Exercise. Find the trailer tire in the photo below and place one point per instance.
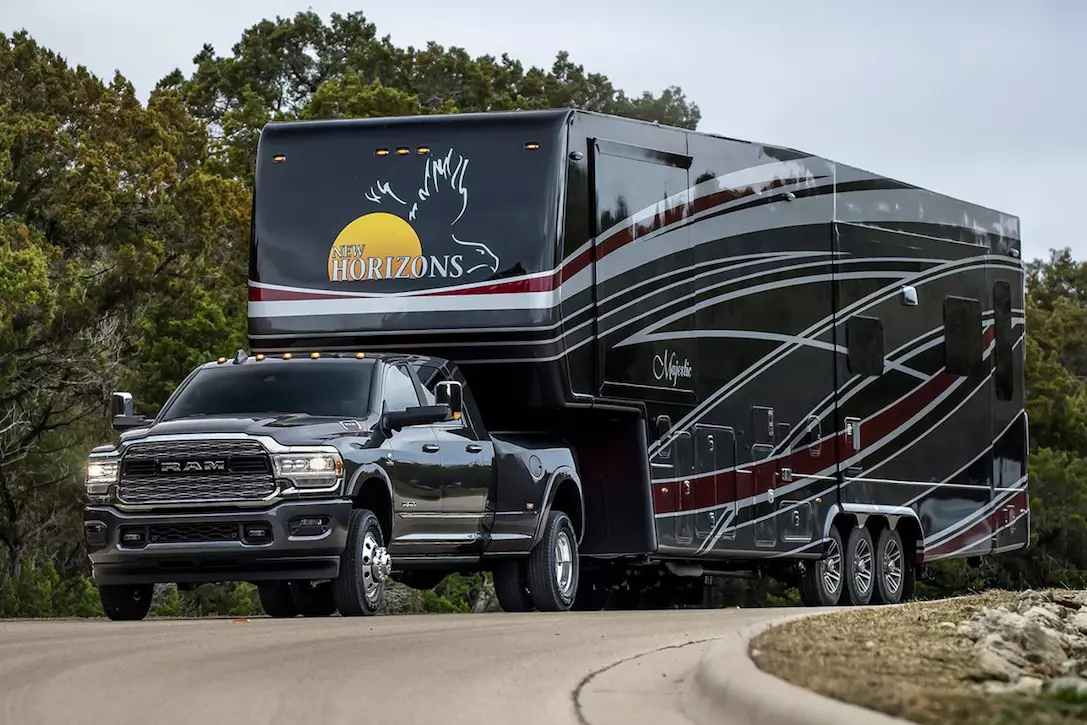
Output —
(276, 599)
(553, 566)
(313, 600)
(859, 568)
(511, 586)
(822, 582)
(126, 602)
(890, 568)
(364, 567)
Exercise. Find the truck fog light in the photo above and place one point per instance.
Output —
(257, 533)
(309, 526)
(133, 538)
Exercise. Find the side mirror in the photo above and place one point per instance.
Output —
(449, 393)
(420, 415)
(123, 417)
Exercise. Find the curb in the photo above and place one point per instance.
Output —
(728, 687)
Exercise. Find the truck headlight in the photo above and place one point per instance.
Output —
(101, 474)
(319, 469)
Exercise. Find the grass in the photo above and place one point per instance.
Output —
(904, 661)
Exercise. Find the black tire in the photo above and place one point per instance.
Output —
(552, 590)
(313, 600)
(364, 567)
(859, 569)
(276, 599)
(593, 595)
(126, 602)
(511, 586)
(890, 568)
(823, 580)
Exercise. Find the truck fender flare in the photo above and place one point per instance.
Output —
(559, 475)
(364, 472)
(893, 514)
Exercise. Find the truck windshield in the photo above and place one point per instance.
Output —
(324, 389)
(405, 206)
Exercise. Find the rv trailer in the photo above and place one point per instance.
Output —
(639, 357)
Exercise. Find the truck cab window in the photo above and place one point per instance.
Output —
(400, 392)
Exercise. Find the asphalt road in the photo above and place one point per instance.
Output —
(559, 669)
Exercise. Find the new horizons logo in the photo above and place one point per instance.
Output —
(385, 244)
(667, 367)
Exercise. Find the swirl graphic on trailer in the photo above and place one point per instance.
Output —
(385, 244)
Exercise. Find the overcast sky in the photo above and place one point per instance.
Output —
(980, 99)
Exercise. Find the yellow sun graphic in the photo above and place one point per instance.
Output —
(363, 248)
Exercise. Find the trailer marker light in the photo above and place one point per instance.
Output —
(278, 159)
(403, 151)
(260, 356)
(314, 355)
(532, 145)
(383, 152)
(286, 356)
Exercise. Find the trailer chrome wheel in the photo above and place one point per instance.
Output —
(365, 567)
(890, 568)
(553, 566)
(858, 566)
(822, 582)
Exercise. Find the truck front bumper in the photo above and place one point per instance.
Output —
(292, 540)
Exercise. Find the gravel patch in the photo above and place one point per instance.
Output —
(975, 660)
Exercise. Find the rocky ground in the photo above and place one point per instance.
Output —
(1035, 643)
(998, 658)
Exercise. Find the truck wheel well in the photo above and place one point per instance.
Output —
(373, 494)
(568, 500)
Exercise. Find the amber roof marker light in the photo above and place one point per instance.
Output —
(532, 145)
(403, 151)
(382, 152)
(279, 158)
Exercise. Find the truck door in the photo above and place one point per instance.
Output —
(415, 470)
(467, 456)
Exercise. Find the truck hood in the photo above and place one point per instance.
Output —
(285, 429)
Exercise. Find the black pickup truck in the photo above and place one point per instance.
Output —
(320, 477)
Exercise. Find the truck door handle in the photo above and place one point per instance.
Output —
(430, 448)
(473, 448)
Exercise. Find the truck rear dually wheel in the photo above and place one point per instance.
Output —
(126, 602)
(365, 567)
(553, 566)
(276, 599)
(511, 586)
(314, 600)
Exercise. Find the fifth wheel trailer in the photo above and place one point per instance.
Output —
(762, 360)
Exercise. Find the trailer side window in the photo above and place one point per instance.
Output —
(864, 341)
(963, 338)
(1002, 356)
(664, 424)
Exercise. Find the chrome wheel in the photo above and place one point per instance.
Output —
(376, 566)
(831, 568)
(892, 565)
(862, 565)
(564, 563)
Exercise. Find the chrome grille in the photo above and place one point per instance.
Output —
(242, 472)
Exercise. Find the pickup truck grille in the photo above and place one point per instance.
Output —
(187, 471)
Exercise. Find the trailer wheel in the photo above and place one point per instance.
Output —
(553, 566)
(890, 569)
(313, 600)
(364, 567)
(276, 599)
(126, 602)
(511, 586)
(860, 572)
(822, 582)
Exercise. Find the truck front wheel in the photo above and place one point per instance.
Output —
(126, 602)
(364, 568)
(553, 566)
